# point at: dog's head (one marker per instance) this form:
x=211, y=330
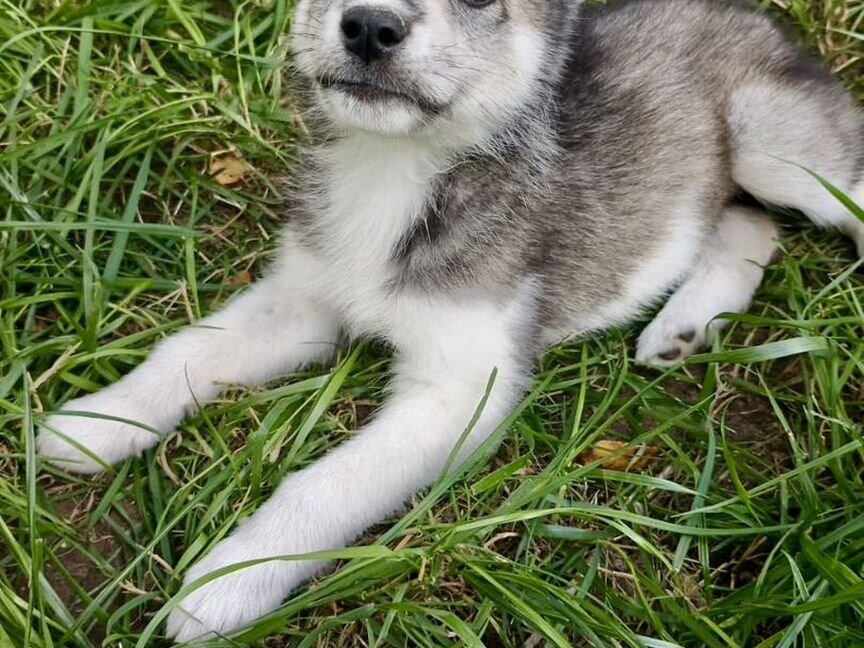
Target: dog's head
x=460, y=68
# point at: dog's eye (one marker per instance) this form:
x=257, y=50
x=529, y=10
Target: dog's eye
x=478, y=4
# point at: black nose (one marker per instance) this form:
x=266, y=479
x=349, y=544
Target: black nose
x=371, y=32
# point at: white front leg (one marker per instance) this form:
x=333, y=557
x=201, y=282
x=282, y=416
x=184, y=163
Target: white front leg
x=265, y=332
x=447, y=354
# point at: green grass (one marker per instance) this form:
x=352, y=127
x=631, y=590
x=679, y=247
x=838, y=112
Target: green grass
x=747, y=530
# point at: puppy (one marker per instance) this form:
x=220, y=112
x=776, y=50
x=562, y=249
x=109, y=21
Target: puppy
x=487, y=177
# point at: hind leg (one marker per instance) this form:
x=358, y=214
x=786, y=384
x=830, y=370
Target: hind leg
x=778, y=128
x=859, y=227
x=726, y=276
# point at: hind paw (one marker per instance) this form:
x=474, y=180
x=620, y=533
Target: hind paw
x=667, y=343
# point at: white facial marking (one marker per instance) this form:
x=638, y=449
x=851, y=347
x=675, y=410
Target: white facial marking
x=466, y=87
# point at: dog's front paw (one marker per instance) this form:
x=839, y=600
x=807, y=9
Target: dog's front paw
x=234, y=599
x=94, y=431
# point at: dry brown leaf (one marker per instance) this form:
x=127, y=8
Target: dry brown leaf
x=228, y=169
x=242, y=279
x=618, y=456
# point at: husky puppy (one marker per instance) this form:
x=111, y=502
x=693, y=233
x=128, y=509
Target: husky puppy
x=492, y=176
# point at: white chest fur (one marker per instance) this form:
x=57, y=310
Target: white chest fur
x=374, y=192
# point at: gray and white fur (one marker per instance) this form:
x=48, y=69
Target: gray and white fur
x=487, y=177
